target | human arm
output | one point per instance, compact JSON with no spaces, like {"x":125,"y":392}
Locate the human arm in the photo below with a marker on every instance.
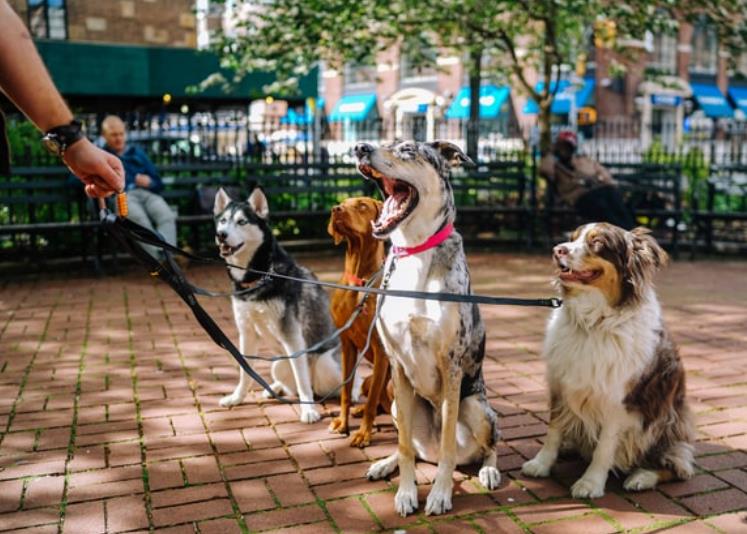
{"x":24,"y":79}
{"x":148,"y":177}
{"x":603,"y":175}
{"x":547,"y":167}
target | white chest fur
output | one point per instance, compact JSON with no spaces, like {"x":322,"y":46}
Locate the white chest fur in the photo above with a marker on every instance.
{"x":262,"y":319}
{"x":594,"y":351}
{"x":417,"y":333}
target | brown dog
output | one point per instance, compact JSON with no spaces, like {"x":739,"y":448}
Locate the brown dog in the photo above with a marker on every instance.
{"x":351,"y":221}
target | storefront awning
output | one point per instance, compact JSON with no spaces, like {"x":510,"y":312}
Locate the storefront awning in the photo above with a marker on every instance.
{"x":739,"y":96}
{"x":711,"y":100}
{"x":561,"y":104}
{"x":302,"y":119}
{"x":353,"y":108}
{"x":492,"y":98}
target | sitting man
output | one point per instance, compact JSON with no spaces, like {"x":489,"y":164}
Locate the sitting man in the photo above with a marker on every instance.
{"x":584,"y":184}
{"x":142,"y":183}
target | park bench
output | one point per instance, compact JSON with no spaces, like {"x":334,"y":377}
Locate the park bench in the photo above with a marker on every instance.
{"x":653,"y":191}
{"x":719,"y":210}
{"x":43,"y":217}
{"x":496,"y":198}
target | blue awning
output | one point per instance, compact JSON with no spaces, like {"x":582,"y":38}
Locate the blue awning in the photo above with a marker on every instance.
{"x":561,"y":104}
{"x":711,"y":100}
{"x":739,"y":96}
{"x":492,"y":98}
{"x":295,"y":118}
{"x":353,"y":108}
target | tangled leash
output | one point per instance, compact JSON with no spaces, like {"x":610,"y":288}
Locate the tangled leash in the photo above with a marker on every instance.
{"x":128,"y":234}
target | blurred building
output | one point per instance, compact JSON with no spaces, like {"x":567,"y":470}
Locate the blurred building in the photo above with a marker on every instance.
{"x":672,"y":85}
{"x":138,"y":55}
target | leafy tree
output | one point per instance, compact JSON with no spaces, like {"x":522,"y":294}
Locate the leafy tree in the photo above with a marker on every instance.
{"x":520,"y":36}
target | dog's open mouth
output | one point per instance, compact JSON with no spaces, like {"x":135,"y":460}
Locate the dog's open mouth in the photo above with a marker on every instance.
{"x":227,"y":250}
{"x":584,"y":277}
{"x":401,"y":199}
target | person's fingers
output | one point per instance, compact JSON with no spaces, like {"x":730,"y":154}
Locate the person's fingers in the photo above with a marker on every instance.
{"x":96,"y":191}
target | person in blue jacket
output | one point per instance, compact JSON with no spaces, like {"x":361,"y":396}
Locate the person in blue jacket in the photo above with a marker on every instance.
{"x":142,"y":183}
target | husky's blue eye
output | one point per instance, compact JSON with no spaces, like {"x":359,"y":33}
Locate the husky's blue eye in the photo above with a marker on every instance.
{"x":242,"y":222}
{"x":223,"y":220}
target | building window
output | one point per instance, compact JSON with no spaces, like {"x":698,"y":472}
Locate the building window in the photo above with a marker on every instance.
{"x":704,"y":58}
{"x":420,"y":65}
{"x":664,"y":53}
{"x":48,"y":19}
{"x":359,"y":74}
{"x":742,"y":64}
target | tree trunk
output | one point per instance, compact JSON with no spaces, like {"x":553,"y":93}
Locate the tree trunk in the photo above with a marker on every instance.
{"x":545,"y":140}
{"x":473,"y":123}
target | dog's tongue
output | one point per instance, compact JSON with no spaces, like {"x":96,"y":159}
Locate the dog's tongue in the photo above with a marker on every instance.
{"x":577,"y":276}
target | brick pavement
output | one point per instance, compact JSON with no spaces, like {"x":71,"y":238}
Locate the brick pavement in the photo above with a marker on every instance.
{"x":109,"y":419}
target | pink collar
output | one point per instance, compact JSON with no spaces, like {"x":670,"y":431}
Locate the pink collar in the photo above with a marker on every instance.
{"x":433,"y":241}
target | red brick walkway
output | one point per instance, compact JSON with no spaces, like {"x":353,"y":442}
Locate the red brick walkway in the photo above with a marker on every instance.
{"x":109,"y":419}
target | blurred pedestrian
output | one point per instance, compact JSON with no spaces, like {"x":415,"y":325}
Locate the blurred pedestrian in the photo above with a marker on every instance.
{"x":142,"y":183}
{"x":584,"y":184}
{"x":24,"y":79}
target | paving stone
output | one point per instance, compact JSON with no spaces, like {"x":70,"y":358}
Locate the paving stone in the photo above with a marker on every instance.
{"x":276,"y":466}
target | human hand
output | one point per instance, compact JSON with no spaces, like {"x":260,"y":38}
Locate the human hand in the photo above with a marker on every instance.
{"x":142,"y":180}
{"x":101,"y":172}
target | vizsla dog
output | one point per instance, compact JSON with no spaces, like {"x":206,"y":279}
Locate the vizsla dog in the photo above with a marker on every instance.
{"x":351,"y":221}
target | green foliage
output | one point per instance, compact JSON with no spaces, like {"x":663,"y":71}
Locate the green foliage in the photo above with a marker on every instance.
{"x":289,"y":37}
{"x":23,"y":138}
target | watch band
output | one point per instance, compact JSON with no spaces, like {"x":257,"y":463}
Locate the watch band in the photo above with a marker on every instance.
{"x":60,"y":138}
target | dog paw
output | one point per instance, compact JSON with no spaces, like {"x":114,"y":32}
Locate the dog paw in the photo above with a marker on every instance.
{"x":309,"y":415}
{"x":358,"y":410}
{"x":585,"y":488}
{"x":362,"y":438}
{"x":439,"y":501}
{"x":489,"y":477}
{"x":536,"y":468}
{"x":641,"y":479}
{"x":406,"y":500}
{"x":338,"y":426}
{"x":277,"y":389}
{"x":381,"y":469}
{"x":233,"y":399}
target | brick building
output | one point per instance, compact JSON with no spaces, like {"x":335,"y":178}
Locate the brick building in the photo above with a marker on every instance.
{"x":136,"y":55}
{"x":672,"y":84}
{"x":143,"y":22}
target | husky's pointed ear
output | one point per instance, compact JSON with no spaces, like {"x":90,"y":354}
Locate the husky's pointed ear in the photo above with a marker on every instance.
{"x":258,"y":202}
{"x":221,"y":201}
{"x":452,"y":153}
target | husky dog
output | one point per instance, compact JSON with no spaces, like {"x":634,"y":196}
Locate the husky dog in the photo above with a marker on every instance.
{"x":289,"y":315}
{"x":436,"y":349}
{"x":617,"y":384}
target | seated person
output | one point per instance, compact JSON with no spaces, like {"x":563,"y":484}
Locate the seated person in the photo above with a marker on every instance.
{"x":584,"y":184}
{"x":142,"y":183}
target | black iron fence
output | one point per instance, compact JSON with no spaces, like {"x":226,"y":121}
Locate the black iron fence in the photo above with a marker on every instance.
{"x":307,"y":168}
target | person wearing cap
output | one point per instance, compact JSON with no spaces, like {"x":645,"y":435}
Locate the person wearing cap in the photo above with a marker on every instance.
{"x":584,"y":184}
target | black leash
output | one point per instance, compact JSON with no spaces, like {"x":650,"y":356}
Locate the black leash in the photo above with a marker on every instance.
{"x":144,"y":235}
{"x":128,"y":233}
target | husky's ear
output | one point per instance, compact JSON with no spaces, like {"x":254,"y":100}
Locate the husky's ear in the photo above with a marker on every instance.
{"x":452,"y":153}
{"x":221,"y":201}
{"x":258,"y":202}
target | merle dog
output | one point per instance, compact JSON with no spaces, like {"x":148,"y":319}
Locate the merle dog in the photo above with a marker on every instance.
{"x":436,"y":348}
{"x":287,"y":314}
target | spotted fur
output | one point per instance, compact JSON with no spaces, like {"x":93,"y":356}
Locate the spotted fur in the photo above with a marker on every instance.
{"x":436,"y":349}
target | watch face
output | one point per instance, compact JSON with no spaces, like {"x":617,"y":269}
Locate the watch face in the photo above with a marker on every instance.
{"x":53,"y":145}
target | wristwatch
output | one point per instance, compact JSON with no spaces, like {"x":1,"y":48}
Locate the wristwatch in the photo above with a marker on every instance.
{"x":60,"y":138}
